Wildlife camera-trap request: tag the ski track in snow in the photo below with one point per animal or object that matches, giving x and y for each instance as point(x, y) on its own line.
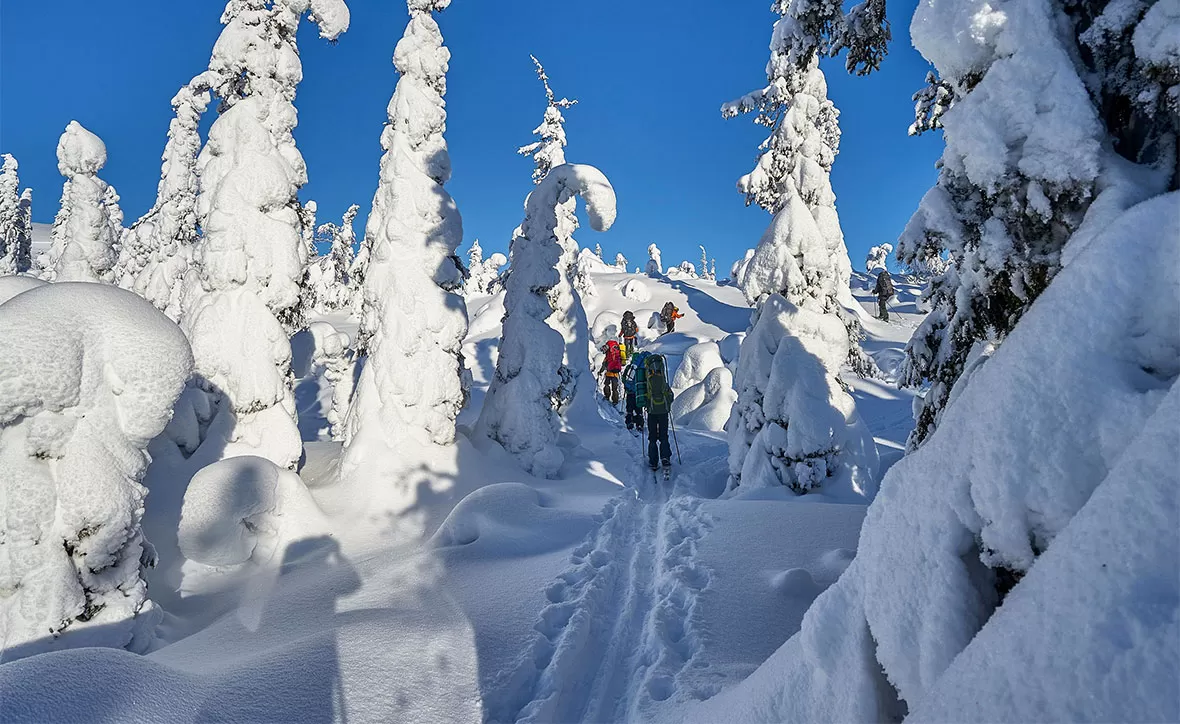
point(619, 628)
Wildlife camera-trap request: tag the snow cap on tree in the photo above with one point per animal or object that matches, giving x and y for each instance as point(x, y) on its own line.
point(621, 261)
point(87, 228)
point(412, 319)
point(520, 409)
point(875, 261)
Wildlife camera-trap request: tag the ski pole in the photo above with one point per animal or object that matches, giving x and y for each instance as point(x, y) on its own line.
point(673, 426)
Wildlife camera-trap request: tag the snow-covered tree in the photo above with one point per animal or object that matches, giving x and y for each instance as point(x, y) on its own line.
point(520, 410)
point(242, 290)
point(598, 250)
point(620, 262)
point(685, 270)
point(1021, 171)
point(796, 162)
point(713, 269)
point(655, 265)
point(157, 249)
point(357, 271)
point(569, 318)
point(15, 231)
point(875, 261)
point(413, 384)
point(483, 273)
point(92, 380)
point(704, 264)
point(87, 228)
point(341, 254)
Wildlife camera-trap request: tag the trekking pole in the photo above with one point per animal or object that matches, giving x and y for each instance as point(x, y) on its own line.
point(672, 424)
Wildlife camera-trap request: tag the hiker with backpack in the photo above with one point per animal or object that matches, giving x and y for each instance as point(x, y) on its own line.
point(656, 398)
point(668, 315)
point(629, 331)
point(883, 290)
point(612, 365)
point(632, 379)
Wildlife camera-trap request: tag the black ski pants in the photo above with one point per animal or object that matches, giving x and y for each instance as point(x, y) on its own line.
point(610, 389)
point(634, 413)
point(658, 448)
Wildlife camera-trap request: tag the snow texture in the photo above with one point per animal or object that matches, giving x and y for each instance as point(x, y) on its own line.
point(91, 383)
point(10, 286)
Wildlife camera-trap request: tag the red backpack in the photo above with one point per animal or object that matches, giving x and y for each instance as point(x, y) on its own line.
point(614, 358)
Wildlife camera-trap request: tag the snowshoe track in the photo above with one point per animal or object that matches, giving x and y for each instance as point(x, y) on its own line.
point(620, 625)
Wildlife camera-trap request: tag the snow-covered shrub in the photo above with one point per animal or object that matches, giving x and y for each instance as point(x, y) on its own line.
point(635, 290)
point(87, 228)
point(698, 361)
point(655, 266)
point(706, 405)
point(157, 249)
point(90, 383)
point(875, 261)
point(245, 510)
point(520, 408)
point(793, 423)
point(1050, 105)
point(10, 286)
point(242, 290)
point(683, 270)
point(1043, 505)
point(620, 262)
point(16, 233)
point(412, 384)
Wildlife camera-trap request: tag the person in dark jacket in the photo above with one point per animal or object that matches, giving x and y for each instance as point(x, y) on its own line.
point(632, 376)
point(658, 403)
point(668, 315)
point(629, 331)
point(884, 291)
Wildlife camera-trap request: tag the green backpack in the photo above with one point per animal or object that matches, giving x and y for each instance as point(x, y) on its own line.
point(655, 374)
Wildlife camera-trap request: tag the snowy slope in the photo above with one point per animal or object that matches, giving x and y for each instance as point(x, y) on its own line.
point(475, 591)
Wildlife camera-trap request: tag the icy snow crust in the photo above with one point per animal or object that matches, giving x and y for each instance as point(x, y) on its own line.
point(90, 383)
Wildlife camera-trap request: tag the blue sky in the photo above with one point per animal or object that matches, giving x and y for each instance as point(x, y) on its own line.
point(650, 77)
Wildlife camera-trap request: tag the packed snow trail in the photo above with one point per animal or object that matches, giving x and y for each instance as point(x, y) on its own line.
point(619, 627)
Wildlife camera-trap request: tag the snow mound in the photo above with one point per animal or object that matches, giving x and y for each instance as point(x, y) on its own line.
point(10, 286)
point(91, 382)
point(606, 327)
point(245, 509)
point(635, 290)
point(510, 519)
point(706, 405)
point(1056, 463)
point(698, 361)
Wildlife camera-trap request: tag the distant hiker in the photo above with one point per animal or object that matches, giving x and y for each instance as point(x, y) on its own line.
point(632, 379)
point(612, 365)
point(883, 290)
point(629, 330)
point(657, 400)
point(668, 315)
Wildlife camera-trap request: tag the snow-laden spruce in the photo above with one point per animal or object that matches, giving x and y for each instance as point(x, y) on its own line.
point(326, 282)
point(655, 264)
point(1039, 137)
point(242, 290)
point(91, 382)
point(16, 233)
point(157, 249)
point(413, 383)
point(520, 410)
point(483, 274)
point(620, 262)
point(569, 317)
point(86, 229)
point(796, 161)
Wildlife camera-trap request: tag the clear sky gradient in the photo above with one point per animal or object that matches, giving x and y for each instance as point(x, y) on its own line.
point(649, 76)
